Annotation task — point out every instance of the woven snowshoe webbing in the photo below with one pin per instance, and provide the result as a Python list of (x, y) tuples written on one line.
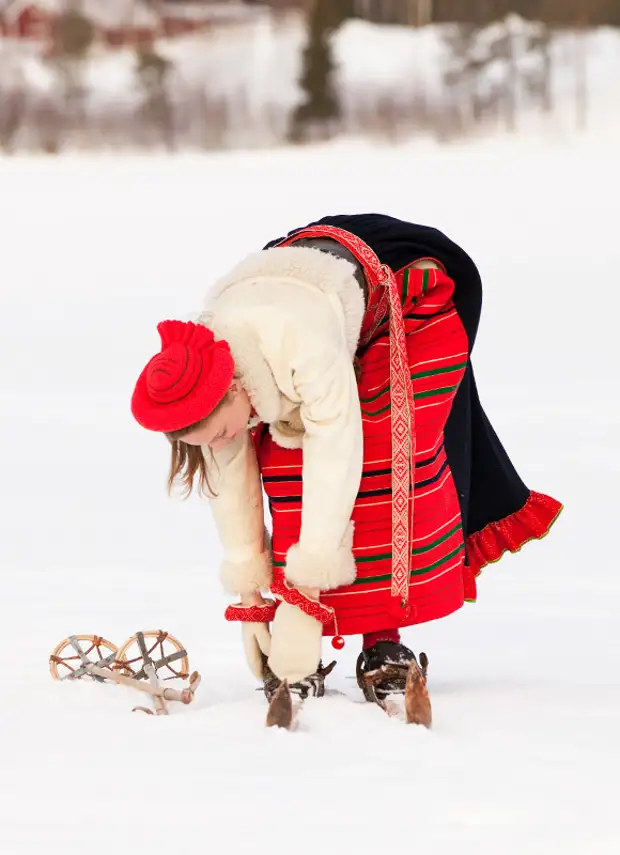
[(105, 662)]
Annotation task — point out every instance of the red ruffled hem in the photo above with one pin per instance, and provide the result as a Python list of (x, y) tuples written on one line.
[(251, 614), (531, 522)]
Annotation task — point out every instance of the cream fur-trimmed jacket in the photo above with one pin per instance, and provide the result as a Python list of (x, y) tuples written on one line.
[(292, 318)]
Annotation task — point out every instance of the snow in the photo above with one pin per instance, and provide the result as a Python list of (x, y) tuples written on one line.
[(525, 747)]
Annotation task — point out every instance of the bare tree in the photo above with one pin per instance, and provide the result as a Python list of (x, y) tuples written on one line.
[(153, 72), (578, 16), (581, 43), (73, 36), (538, 80), (319, 111), (13, 104)]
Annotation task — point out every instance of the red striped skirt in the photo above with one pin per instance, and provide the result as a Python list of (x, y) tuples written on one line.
[(437, 351)]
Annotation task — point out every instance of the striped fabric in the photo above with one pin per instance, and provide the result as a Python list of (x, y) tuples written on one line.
[(437, 356)]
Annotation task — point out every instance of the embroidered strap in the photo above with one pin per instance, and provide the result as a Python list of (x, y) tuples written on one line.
[(314, 608), (383, 295), (251, 614)]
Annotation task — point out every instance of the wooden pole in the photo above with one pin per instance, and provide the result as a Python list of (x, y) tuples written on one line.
[(185, 696), (158, 700)]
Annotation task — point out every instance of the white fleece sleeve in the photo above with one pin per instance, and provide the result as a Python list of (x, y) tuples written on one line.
[(238, 512), (325, 381)]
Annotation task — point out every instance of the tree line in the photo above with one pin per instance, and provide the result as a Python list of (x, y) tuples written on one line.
[(496, 67), (555, 13), (500, 57)]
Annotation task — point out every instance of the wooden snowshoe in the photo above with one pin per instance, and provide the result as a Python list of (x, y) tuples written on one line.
[(285, 700), (394, 678), (281, 712)]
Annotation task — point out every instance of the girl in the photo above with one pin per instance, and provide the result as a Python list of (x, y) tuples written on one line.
[(333, 370)]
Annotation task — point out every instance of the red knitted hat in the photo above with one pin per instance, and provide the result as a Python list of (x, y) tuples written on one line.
[(185, 381)]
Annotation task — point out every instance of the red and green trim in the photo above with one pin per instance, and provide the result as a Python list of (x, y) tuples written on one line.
[(422, 375), (419, 571)]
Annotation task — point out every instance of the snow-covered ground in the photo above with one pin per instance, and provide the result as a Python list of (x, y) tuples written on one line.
[(525, 749)]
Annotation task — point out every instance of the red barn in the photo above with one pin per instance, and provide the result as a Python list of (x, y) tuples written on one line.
[(28, 19), (123, 22), (179, 19), (119, 23)]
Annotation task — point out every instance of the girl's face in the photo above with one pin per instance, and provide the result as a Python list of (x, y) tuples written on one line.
[(226, 424)]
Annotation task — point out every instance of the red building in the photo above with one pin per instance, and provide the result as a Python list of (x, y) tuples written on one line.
[(122, 23), (32, 21), (179, 18), (119, 23)]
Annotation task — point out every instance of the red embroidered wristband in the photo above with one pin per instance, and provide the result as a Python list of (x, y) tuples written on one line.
[(251, 614)]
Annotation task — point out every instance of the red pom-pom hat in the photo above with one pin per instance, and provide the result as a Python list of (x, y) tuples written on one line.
[(185, 381)]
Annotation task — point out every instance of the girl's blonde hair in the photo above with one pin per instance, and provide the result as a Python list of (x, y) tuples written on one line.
[(187, 463)]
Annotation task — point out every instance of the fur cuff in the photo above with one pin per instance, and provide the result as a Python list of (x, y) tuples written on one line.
[(246, 577), (323, 570)]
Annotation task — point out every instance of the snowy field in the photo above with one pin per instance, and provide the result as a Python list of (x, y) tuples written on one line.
[(525, 749)]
